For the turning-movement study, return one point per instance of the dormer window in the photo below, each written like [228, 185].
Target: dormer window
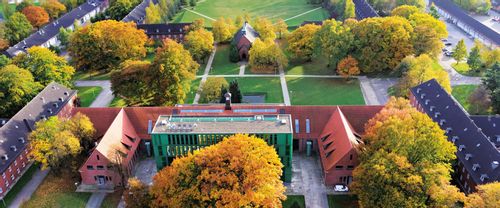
[437, 114]
[475, 166]
[427, 102]
[418, 90]
[448, 130]
[465, 129]
[13, 148]
[483, 177]
[498, 138]
[432, 108]
[461, 147]
[454, 139]
[422, 96]
[21, 139]
[5, 157]
[468, 156]
[442, 121]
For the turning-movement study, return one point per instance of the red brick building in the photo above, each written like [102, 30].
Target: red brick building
[243, 39]
[54, 100]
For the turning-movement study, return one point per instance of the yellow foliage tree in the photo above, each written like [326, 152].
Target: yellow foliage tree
[487, 195]
[281, 28]
[240, 171]
[137, 194]
[200, 43]
[223, 31]
[300, 41]
[54, 8]
[266, 56]
[265, 28]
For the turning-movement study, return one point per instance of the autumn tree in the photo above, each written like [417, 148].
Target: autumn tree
[491, 81]
[333, 41]
[45, 65]
[137, 194]
[51, 143]
[460, 51]
[63, 36]
[240, 171]
[113, 42]
[54, 8]
[349, 10]
[474, 58]
[405, 11]
[489, 56]
[83, 129]
[487, 195]
[266, 56]
[172, 72]
[200, 43]
[300, 42]
[348, 67]
[479, 101]
[420, 70]
[153, 15]
[410, 172]
[4, 43]
[17, 27]
[17, 88]
[132, 82]
[197, 24]
[281, 28]
[384, 7]
[223, 31]
[428, 32]
[265, 28]
[211, 90]
[36, 15]
[118, 9]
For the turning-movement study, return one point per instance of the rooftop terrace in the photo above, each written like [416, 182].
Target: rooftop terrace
[257, 124]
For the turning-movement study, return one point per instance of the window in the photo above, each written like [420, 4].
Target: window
[339, 167]
[350, 157]
[18, 171]
[3, 175]
[10, 169]
[325, 137]
[7, 184]
[297, 126]
[97, 157]
[467, 175]
[308, 126]
[90, 167]
[350, 167]
[100, 167]
[15, 162]
[12, 177]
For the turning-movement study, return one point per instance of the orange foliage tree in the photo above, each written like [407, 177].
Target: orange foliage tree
[348, 67]
[36, 15]
[240, 171]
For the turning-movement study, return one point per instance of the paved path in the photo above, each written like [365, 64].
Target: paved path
[455, 77]
[243, 65]
[284, 87]
[200, 14]
[106, 95]
[95, 200]
[29, 188]
[312, 10]
[375, 89]
[205, 74]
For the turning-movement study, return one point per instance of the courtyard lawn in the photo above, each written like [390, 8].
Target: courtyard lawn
[462, 93]
[91, 76]
[221, 63]
[342, 201]
[112, 199]
[317, 66]
[273, 10]
[294, 201]
[268, 86]
[20, 184]
[87, 95]
[192, 93]
[463, 69]
[58, 190]
[324, 91]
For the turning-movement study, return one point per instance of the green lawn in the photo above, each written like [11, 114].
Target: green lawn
[117, 102]
[317, 66]
[91, 76]
[273, 10]
[324, 91]
[462, 93]
[87, 95]
[194, 88]
[221, 63]
[342, 201]
[463, 68]
[294, 201]
[270, 86]
[58, 190]
[12, 7]
[20, 184]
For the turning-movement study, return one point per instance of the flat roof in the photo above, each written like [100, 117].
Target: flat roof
[254, 124]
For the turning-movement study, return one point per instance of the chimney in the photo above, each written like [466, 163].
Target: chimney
[228, 101]
[494, 165]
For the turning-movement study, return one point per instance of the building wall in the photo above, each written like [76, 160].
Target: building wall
[181, 144]
[244, 46]
[14, 172]
[341, 172]
[463, 179]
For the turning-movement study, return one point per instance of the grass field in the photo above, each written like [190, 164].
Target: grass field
[463, 68]
[342, 201]
[20, 184]
[317, 66]
[221, 63]
[87, 95]
[190, 95]
[269, 86]
[112, 200]
[91, 76]
[58, 190]
[273, 10]
[462, 93]
[324, 91]
[294, 201]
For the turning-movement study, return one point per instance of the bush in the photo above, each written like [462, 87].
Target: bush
[211, 89]
[234, 56]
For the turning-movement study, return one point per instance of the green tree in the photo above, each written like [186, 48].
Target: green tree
[17, 27]
[433, 11]
[112, 41]
[118, 9]
[23, 4]
[131, 82]
[63, 36]
[45, 65]
[349, 10]
[300, 42]
[211, 89]
[200, 43]
[17, 88]
[234, 89]
[333, 41]
[153, 15]
[474, 58]
[4, 61]
[460, 51]
[172, 72]
[491, 81]
[239, 171]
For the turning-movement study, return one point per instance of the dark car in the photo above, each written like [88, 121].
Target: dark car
[445, 50]
[448, 44]
[448, 53]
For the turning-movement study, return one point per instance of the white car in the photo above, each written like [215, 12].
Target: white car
[340, 188]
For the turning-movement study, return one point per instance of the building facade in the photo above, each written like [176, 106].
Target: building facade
[174, 31]
[243, 40]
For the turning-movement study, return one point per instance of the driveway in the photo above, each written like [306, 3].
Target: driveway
[106, 95]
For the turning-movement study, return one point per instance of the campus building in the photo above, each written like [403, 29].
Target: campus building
[174, 31]
[54, 100]
[243, 40]
[477, 138]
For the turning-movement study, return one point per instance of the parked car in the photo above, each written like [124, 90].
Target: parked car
[341, 188]
[444, 40]
[448, 44]
[445, 50]
[448, 53]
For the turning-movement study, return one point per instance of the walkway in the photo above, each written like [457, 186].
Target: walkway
[455, 77]
[29, 188]
[375, 89]
[200, 14]
[95, 200]
[312, 10]
[284, 87]
[205, 74]
[106, 95]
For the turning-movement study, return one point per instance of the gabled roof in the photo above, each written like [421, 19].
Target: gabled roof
[14, 133]
[138, 14]
[474, 148]
[246, 31]
[490, 125]
[336, 140]
[52, 29]
[454, 10]
[117, 137]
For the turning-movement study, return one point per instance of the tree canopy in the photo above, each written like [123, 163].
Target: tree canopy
[300, 41]
[131, 82]
[54, 8]
[17, 87]
[348, 67]
[487, 195]
[153, 14]
[36, 15]
[264, 27]
[491, 81]
[110, 41]
[266, 56]
[240, 171]
[223, 30]
[17, 27]
[212, 88]
[334, 41]
[460, 51]
[200, 43]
